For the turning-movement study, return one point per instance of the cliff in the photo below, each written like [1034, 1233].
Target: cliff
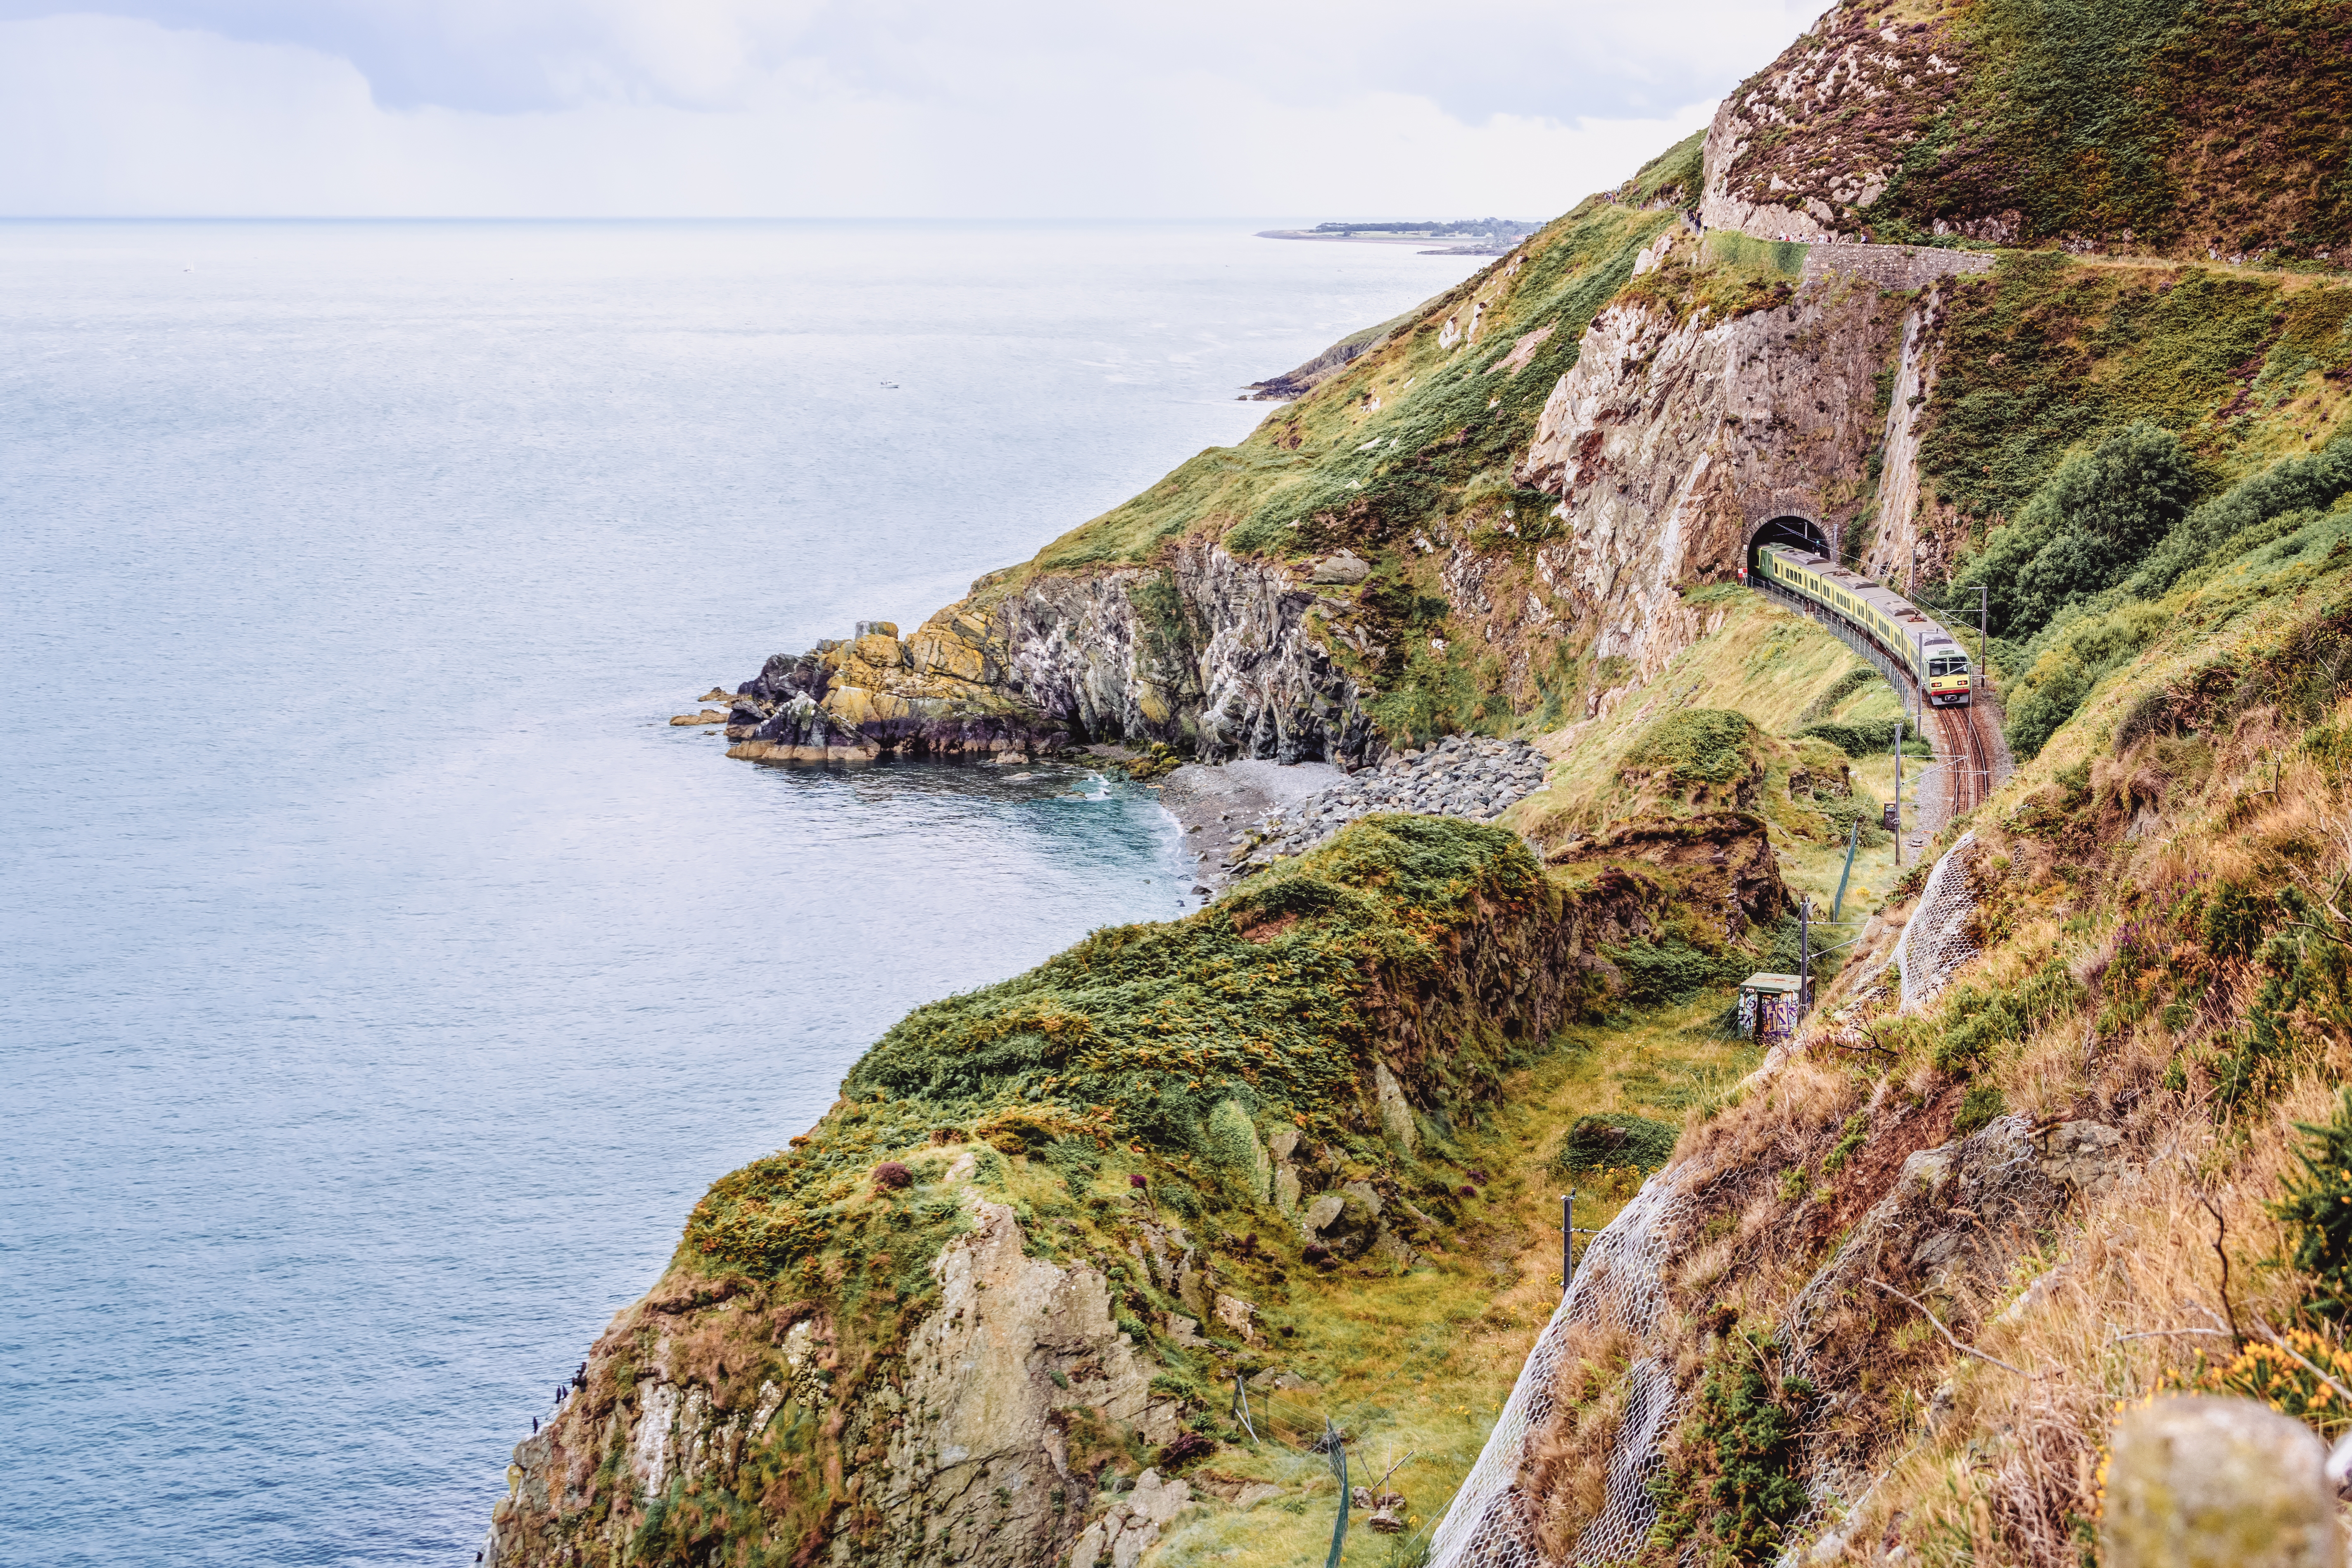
[1003, 1288]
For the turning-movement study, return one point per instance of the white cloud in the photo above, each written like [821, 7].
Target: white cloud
[772, 107]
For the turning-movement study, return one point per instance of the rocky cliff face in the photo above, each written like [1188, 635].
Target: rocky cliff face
[1673, 441]
[963, 1458]
[1223, 657]
[1803, 148]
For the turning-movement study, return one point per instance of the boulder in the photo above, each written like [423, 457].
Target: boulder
[2197, 1482]
[1343, 568]
[2086, 1155]
[1131, 1525]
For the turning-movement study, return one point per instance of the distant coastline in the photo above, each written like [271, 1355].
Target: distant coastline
[1486, 236]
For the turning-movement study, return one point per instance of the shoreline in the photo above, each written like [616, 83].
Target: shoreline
[1214, 803]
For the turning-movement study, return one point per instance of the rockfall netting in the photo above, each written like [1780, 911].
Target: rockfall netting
[1935, 940]
[1491, 1523]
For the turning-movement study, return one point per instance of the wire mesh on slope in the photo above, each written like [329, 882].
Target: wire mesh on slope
[1491, 1523]
[1935, 940]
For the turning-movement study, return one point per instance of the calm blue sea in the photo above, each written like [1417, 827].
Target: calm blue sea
[380, 978]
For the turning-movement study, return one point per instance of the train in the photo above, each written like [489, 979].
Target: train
[1936, 660]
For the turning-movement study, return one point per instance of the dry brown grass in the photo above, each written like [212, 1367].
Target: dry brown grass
[1567, 1462]
[2009, 1471]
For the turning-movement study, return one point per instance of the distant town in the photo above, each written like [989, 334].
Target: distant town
[1470, 237]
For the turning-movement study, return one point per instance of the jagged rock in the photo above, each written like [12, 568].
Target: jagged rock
[2205, 1483]
[2083, 1154]
[1396, 1111]
[1184, 1332]
[1046, 661]
[1131, 1525]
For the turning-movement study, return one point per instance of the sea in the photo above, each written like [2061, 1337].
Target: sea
[381, 976]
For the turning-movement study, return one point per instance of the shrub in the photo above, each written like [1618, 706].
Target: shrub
[2215, 529]
[2317, 1209]
[1700, 745]
[1738, 1481]
[890, 1176]
[2089, 525]
[1614, 1139]
[1868, 737]
[1978, 1107]
[1670, 970]
[2265, 1372]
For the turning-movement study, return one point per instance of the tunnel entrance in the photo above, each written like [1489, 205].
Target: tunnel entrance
[1800, 532]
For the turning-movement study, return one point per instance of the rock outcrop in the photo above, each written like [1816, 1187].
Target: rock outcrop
[969, 1460]
[1218, 656]
[1800, 150]
[1671, 441]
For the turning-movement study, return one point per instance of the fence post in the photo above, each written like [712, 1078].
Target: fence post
[1566, 1242]
[1335, 1448]
[1852, 839]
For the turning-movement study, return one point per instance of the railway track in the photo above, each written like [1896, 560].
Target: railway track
[1958, 735]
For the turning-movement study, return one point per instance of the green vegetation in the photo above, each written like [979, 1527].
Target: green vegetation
[1674, 178]
[1331, 468]
[1615, 1139]
[2150, 123]
[1868, 737]
[2317, 1209]
[1261, 1004]
[1728, 274]
[1731, 1479]
[2092, 523]
[1703, 746]
[2130, 440]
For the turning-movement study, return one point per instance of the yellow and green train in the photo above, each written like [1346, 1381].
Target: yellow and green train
[1900, 629]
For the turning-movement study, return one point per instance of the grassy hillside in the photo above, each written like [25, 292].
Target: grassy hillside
[2112, 447]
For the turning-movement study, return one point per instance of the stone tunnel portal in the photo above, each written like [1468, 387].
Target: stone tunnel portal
[1801, 533]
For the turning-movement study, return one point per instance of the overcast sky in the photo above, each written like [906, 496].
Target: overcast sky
[725, 108]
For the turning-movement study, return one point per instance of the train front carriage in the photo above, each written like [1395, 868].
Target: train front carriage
[1948, 681]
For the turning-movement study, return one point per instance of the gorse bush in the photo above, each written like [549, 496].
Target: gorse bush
[2317, 1209]
[1737, 1482]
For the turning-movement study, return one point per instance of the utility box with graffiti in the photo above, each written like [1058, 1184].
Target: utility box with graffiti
[1769, 1005]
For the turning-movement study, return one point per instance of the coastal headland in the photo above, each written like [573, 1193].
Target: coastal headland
[1529, 808]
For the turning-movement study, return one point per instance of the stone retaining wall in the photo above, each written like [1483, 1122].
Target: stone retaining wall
[1896, 267]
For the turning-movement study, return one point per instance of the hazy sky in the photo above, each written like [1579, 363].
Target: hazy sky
[1026, 108]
